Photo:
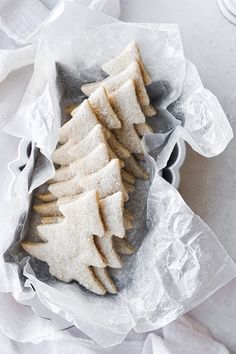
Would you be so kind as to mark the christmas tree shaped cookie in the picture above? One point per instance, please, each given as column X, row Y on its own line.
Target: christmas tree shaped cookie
column 103, row 109
column 112, row 209
column 69, row 247
column 124, row 59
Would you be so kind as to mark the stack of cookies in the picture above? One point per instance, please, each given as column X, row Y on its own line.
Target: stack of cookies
column 83, row 215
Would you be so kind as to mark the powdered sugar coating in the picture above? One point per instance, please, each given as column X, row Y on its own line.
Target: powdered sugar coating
column 113, row 82
column 95, row 137
column 106, row 181
column 126, row 57
column 112, row 210
column 67, row 269
column 122, row 246
column 96, row 159
column 132, row 166
column 105, row 245
column 83, row 120
column 70, row 247
column 125, row 103
column 143, row 128
column 128, row 136
column 61, row 156
column 104, row 277
column 103, row 109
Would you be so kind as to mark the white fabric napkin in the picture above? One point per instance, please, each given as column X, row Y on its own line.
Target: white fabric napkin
column 20, row 19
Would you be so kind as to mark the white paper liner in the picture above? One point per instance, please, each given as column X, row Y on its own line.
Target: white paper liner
column 179, row 261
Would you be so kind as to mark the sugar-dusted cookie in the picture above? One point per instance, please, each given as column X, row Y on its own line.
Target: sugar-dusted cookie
column 60, row 156
column 127, row 177
column 106, row 247
column 128, row 137
column 103, row 109
column 51, row 219
column 61, row 174
column 70, row 187
column 65, row 130
column 106, row 181
column 45, row 197
column 139, row 156
column 86, row 116
column 97, row 135
column 69, row 245
column 143, row 128
column 128, row 223
column 86, row 205
column 69, row 152
column 122, row 246
column 83, row 120
column 112, row 213
column 128, row 214
column 114, row 156
column 133, row 167
column 149, row 111
column 113, row 82
column 51, row 214
column 48, row 210
column 92, row 162
column 126, row 105
column 68, row 248
column 65, row 270
column 104, row 277
column 51, row 209
column 124, row 59
column 112, row 209
column 129, row 187
column 70, row 108
column 119, row 149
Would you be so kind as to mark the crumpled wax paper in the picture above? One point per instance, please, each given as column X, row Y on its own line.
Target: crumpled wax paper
column 179, row 261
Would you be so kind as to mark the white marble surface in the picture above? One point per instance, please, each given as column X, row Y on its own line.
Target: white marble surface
column 208, row 185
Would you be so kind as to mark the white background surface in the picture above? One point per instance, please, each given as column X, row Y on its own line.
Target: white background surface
column 208, row 186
